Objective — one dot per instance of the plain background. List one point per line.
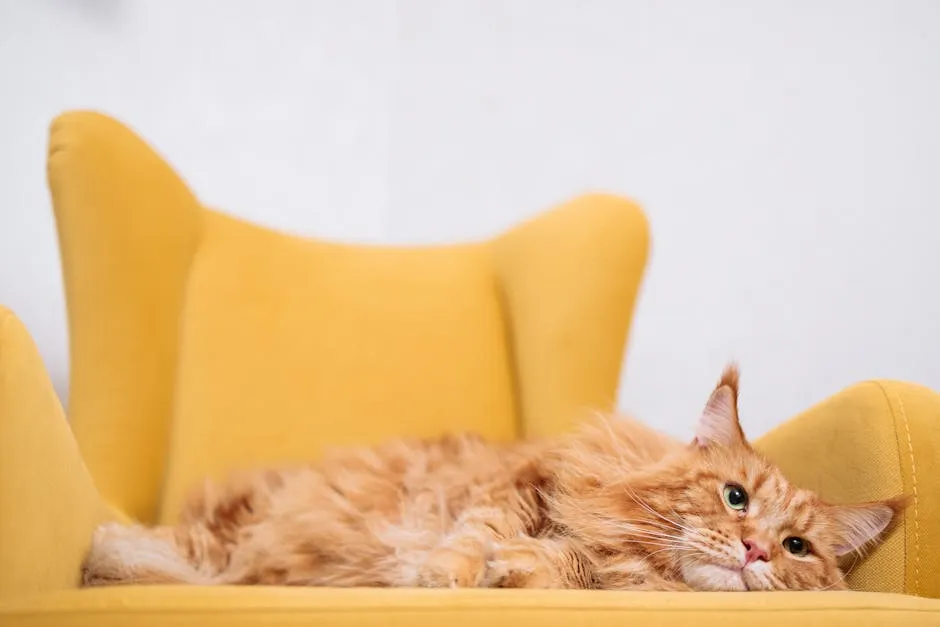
(787, 154)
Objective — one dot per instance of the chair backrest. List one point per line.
(201, 343)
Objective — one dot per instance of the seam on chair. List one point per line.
(910, 451)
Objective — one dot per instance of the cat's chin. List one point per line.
(709, 577)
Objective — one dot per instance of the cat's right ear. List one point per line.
(718, 423)
(858, 525)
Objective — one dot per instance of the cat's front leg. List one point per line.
(460, 560)
(527, 562)
(461, 564)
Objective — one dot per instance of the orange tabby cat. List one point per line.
(614, 506)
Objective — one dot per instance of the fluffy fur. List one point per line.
(614, 506)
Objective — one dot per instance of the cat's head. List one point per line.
(717, 515)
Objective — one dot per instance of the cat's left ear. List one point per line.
(857, 525)
(718, 423)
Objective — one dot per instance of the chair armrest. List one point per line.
(48, 503)
(874, 440)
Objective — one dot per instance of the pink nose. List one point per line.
(754, 551)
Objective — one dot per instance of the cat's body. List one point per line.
(614, 506)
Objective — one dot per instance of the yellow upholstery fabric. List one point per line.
(48, 503)
(274, 607)
(570, 281)
(290, 345)
(871, 441)
(200, 342)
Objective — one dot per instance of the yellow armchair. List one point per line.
(201, 343)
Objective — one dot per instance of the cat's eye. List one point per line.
(797, 546)
(735, 497)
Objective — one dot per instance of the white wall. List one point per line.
(787, 154)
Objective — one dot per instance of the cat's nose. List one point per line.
(754, 551)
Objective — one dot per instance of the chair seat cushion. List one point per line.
(244, 606)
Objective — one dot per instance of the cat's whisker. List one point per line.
(652, 511)
(656, 542)
(641, 530)
(639, 535)
(633, 528)
(830, 586)
(854, 562)
(636, 499)
(656, 552)
(656, 524)
(674, 547)
(651, 523)
(679, 516)
(649, 539)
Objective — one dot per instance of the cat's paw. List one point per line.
(452, 568)
(519, 565)
(526, 562)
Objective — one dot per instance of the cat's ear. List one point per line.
(857, 525)
(718, 423)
